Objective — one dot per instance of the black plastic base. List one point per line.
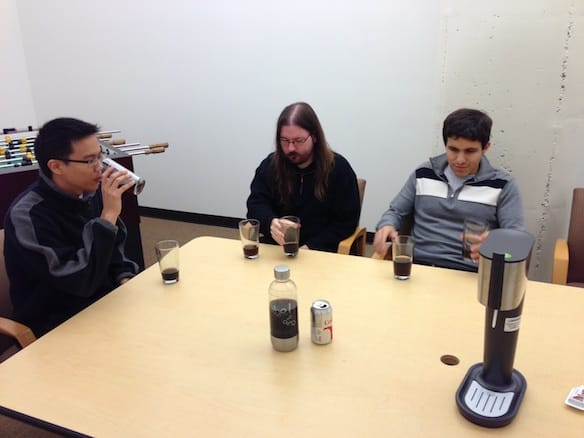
(505, 399)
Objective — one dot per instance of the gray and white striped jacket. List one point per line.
(439, 212)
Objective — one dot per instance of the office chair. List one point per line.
(13, 335)
(359, 237)
(568, 263)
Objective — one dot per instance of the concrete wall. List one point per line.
(523, 63)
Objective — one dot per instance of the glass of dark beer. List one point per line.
(291, 229)
(167, 255)
(402, 248)
(249, 233)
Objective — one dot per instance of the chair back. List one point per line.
(576, 238)
(7, 344)
(361, 183)
(356, 242)
(5, 303)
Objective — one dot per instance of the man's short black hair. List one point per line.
(468, 123)
(55, 137)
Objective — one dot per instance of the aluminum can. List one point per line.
(140, 182)
(321, 316)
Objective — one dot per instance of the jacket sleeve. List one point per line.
(120, 266)
(509, 207)
(261, 204)
(74, 270)
(401, 206)
(345, 207)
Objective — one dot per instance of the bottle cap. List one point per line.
(281, 272)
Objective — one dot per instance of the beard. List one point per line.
(300, 160)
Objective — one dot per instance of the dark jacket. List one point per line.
(60, 255)
(323, 223)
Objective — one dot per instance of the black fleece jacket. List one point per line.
(323, 223)
(60, 255)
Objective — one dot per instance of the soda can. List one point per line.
(321, 316)
(140, 182)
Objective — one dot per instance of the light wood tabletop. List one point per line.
(195, 359)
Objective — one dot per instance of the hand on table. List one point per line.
(381, 236)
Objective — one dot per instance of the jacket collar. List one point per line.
(486, 171)
(50, 187)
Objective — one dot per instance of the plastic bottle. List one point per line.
(283, 310)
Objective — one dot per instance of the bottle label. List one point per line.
(284, 318)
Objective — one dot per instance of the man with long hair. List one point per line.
(304, 177)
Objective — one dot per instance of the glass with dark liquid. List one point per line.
(402, 267)
(402, 248)
(291, 229)
(170, 275)
(167, 255)
(249, 233)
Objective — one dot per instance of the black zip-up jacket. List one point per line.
(60, 255)
(323, 223)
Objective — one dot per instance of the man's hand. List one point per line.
(276, 231)
(475, 248)
(111, 191)
(381, 238)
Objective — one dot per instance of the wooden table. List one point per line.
(195, 359)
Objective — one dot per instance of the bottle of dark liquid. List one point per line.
(283, 310)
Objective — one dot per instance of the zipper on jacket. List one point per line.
(301, 184)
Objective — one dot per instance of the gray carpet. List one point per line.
(153, 230)
(16, 429)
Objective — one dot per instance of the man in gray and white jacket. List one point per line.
(448, 188)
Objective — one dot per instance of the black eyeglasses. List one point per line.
(90, 163)
(286, 142)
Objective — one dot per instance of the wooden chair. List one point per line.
(13, 335)
(568, 264)
(359, 237)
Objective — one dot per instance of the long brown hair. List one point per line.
(301, 114)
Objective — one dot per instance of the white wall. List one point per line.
(211, 78)
(16, 110)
